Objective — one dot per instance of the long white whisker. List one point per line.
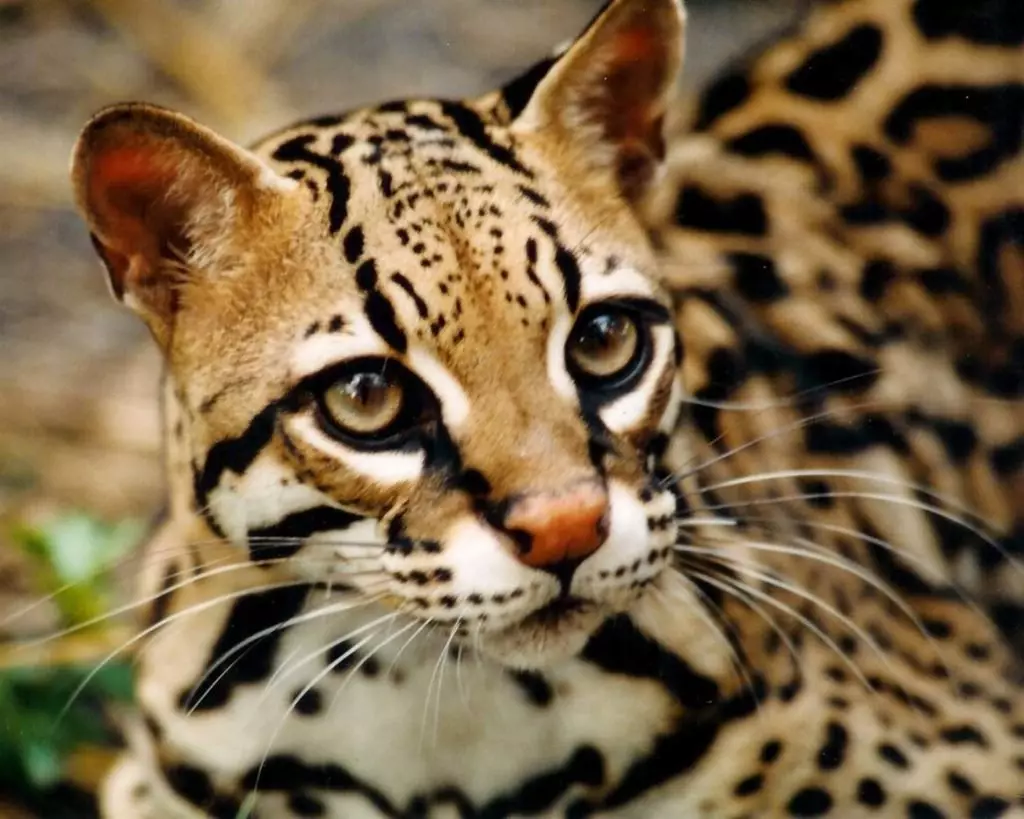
(316, 614)
(821, 635)
(739, 667)
(764, 615)
(854, 474)
(895, 499)
(747, 568)
(792, 427)
(196, 609)
(369, 655)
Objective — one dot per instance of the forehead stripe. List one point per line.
(472, 127)
(379, 311)
(566, 263)
(338, 186)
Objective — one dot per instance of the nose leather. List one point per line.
(565, 526)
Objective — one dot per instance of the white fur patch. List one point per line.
(322, 350)
(270, 180)
(629, 410)
(623, 282)
(481, 562)
(383, 467)
(628, 537)
(259, 498)
(557, 372)
(453, 399)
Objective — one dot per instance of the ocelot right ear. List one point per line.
(160, 194)
(604, 98)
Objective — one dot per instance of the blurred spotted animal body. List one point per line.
(529, 457)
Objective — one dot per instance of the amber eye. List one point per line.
(604, 346)
(363, 402)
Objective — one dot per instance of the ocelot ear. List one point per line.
(160, 193)
(604, 99)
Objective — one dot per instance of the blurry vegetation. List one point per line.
(53, 693)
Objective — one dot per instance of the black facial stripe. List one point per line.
(379, 311)
(566, 263)
(250, 615)
(985, 22)
(653, 312)
(471, 126)
(694, 734)
(535, 196)
(620, 648)
(541, 793)
(162, 603)
(236, 454)
(338, 185)
(353, 244)
(296, 527)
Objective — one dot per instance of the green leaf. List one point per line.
(42, 764)
(73, 554)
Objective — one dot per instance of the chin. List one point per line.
(551, 635)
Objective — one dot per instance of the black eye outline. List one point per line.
(641, 313)
(418, 411)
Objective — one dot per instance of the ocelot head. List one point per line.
(420, 350)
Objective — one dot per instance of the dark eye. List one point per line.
(606, 347)
(372, 402)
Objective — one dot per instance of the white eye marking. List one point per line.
(629, 410)
(558, 374)
(387, 467)
(324, 349)
(624, 282)
(452, 398)
(266, 494)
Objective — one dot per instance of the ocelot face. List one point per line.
(419, 351)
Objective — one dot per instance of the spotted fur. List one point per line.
(797, 592)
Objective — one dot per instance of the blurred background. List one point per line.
(79, 449)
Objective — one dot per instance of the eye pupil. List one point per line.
(602, 333)
(366, 388)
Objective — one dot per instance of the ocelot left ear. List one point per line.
(605, 98)
(163, 196)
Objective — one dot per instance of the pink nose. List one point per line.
(562, 527)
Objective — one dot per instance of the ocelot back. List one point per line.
(528, 458)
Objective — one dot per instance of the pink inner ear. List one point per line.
(635, 44)
(127, 185)
(632, 83)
